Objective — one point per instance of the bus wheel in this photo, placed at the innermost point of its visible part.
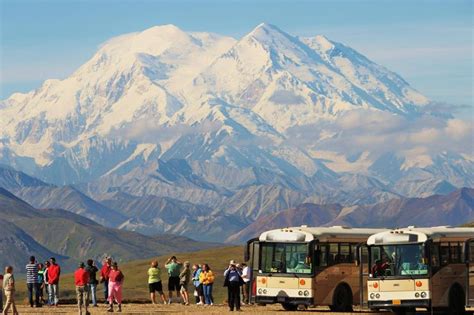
(342, 299)
(456, 300)
(290, 307)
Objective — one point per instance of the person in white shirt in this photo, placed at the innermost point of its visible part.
(246, 287)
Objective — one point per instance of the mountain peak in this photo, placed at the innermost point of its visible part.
(264, 30)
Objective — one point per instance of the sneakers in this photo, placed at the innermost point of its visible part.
(200, 303)
(110, 308)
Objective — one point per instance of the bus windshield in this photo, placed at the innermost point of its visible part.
(397, 260)
(285, 258)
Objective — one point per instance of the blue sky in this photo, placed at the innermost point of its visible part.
(429, 43)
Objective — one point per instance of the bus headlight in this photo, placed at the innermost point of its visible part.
(372, 295)
(377, 296)
(300, 293)
(259, 291)
(417, 295)
(264, 291)
(306, 293)
(423, 294)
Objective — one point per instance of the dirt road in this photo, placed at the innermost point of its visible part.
(173, 309)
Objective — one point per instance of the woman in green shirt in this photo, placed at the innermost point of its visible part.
(154, 282)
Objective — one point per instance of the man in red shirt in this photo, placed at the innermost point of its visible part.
(81, 278)
(54, 271)
(104, 276)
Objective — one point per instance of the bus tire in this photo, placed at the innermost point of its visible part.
(289, 307)
(342, 299)
(456, 300)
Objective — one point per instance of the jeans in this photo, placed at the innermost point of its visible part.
(33, 287)
(233, 295)
(208, 294)
(53, 294)
(93, 293)
(106, 290)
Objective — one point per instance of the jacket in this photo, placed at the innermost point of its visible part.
(206, 277)
(53, 274)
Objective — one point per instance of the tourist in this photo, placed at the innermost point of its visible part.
(9, 289)
(198, 291)
(92, 283)
(207, 279)
(46, 285)
(104, 276)
(247, 276)
(116, 278)
(54, 271)
(184, 279)
(81, 280)
(174, 269)
(233, 281)
(154, 282)
(41, 283)
(32, 282)
(1, 293)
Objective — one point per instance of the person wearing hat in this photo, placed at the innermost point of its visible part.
(233, 281)
(81, 280)
(115, 287)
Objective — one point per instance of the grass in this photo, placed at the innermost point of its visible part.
(136, 279)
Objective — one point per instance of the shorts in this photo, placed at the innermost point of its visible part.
(155, 287)
(173, 284)
(183, 287)
(199, 290)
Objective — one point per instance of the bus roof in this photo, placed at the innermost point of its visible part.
(306, 234)
(419, 235)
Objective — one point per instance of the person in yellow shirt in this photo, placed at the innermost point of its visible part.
(207, 279)
(154, 282)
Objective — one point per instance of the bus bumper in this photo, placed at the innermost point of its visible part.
(401, 304)
(283, 300)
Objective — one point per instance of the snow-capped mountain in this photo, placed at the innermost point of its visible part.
(211, 120)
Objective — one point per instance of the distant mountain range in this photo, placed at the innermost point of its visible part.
(240, 217)
(69, 237)
(198, 134)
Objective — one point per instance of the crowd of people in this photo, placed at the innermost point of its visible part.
(42, 283)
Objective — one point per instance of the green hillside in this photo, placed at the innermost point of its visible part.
(136, 287)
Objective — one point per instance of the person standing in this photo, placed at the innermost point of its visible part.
(1, 293)
(198, 285)
(41, 282)
(92, 283)
(174, 269)
(116, 278)
(46, 283)
(247, 276)
(233, 281)
(9, 289)
(154, 282)
(184, 279)
(54, 271)
(104, 276)
(207, 279)
(32, 282)
(81, 280)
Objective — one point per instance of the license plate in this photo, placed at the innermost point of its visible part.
(396, 302)
(281, 299)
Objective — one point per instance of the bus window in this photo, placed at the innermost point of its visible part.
(344, 253)
(435, 256)
(444, 254)
(333, 254)
(471, 252)
(455, 251)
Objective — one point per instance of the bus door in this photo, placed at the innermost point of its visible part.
(362, 259)
(252, 255)
(469, 251)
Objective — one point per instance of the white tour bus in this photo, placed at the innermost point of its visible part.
(427, 268)
(306, 266)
